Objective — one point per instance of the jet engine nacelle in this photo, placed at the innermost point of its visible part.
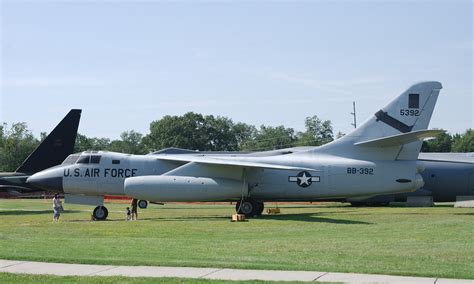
(184, 188)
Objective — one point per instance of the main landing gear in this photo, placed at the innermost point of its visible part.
(249, 207)
(100, 213)
(142, 204)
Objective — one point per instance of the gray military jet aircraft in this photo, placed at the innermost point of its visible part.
(58, 145)
(379, 157)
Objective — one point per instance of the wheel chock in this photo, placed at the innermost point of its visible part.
(271, 211)
(238, 218)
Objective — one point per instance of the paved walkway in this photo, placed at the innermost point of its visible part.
(62, 269)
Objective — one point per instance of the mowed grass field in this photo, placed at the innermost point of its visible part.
(435, 242)
(7, 278)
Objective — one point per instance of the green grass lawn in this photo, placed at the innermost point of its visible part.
(436, 242)
(7, 278)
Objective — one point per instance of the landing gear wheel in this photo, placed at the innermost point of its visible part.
(248, 207)
(100, 213)
(259, 208)
(142, 204)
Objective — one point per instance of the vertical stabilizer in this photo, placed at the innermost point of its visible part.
(56, 147)
(409, 112)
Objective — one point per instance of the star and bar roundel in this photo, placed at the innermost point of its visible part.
(304, 179)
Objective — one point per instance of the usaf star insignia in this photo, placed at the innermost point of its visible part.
(303, 179)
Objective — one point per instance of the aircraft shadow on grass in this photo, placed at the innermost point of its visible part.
(88, 221)
(312, 217)
(163, 219)
(31, 212)
(304, 217)
(465, 214)
(288, 217)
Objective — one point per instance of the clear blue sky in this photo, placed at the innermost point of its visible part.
(274, 63)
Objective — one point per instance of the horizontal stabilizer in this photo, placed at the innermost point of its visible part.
(231, 162)
(15, 178)
(400, 139)
(467, 158)
(18, 188)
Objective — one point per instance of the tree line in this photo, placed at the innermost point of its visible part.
(211, 133)
(203, 133)
(446, 142)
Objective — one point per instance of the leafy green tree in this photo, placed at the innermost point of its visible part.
(442, 143)
(185, 131)
(2, 143)
(43, 136)
(317, 132)
(18, 143)
(270, 138)
(2, 135)
(130, 143)
(245, 135)
(464, 142)
(220, 133)
(192, 131)
(84, 143)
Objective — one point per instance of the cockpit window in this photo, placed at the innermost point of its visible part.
(85, 159)
(95, 159)
(70, 160)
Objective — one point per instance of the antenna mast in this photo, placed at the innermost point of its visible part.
(354, 114)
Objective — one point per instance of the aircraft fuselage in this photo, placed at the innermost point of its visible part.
(149, 178)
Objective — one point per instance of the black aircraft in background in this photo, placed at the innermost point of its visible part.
(51, 152)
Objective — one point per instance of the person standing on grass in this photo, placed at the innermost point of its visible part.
(134, 209)
(57, 207)
(129, 214)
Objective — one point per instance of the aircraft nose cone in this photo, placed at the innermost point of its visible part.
(46, 181)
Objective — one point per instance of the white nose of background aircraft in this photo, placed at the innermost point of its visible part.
(377, 158)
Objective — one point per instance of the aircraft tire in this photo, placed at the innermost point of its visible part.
(247, 207)
(143, 204)
(259, 208)
(100, 213)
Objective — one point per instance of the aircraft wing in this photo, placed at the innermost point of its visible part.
(230, 162)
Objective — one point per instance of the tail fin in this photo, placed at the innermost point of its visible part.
(56, 147)
(395, 131)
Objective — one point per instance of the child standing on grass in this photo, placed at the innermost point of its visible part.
(129, 214)
(57, 206)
